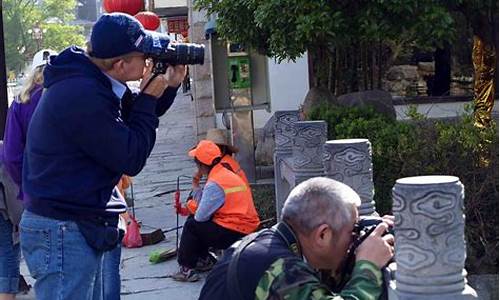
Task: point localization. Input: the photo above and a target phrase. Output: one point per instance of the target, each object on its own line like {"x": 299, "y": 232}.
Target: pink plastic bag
{"x": 132, "y": 238}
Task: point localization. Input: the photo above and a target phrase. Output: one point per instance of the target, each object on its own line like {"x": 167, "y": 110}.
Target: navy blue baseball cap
{"x": 117, "y": 34}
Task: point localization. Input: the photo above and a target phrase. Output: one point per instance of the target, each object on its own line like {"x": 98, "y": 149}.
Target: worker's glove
{"x": 181, "y": 210}
{"x": 192, "y": 206}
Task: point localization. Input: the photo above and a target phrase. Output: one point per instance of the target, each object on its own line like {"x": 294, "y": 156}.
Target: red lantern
{"x": 130, "y": 7}
{"x": 148, "y": 19}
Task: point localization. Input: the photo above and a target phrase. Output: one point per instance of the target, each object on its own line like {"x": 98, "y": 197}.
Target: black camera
{"x": 177, "y": 54}
{"x": 362, "y": 229}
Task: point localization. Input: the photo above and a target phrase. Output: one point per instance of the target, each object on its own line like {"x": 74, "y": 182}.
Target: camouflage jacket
{"x": 293, "y": 279}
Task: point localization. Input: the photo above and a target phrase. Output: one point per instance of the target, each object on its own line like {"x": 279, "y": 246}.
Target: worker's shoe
{"x": 186, "y": 274}
{"x": 205, "y": 264}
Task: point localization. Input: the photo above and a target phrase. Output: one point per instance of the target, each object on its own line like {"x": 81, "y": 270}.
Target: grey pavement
{"x": 153, "y": 192}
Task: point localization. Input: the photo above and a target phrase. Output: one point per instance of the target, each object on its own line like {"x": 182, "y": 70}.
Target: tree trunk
{"x": 442, "y": 74}
{"x": 372, "y": 67}
{"x": 379, "y": 62}
{"x": 365, "y": 66}
{"x": 331, "y": 72}
{"x": 354, "y": 84}
{"x": 310, "y": 69}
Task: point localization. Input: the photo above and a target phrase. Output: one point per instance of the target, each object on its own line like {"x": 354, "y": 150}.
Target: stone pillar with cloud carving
{"x": 307, "y": 149}
{"x": 430, "y": 246}
{"x": 350, "y": 162}
{"x": 284, "y": 133}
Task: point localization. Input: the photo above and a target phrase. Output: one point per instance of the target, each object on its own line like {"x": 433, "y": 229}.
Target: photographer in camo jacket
{"x": 314, "y": 233}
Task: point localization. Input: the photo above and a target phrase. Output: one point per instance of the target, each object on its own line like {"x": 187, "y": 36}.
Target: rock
{"x": 406, "y": 72}
{"x": 396, "y": 87}
{"x": 316, "y": 96}
{"x": 264, "y": 144}
{"x": 394, "y": 74}
{"x": 381, "y": 101}
{"x": 426, "y": 68}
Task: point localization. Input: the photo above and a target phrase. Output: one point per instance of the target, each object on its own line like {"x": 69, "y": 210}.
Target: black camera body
{"x": 176, "y": 54}
{"x": 362, "y": 229}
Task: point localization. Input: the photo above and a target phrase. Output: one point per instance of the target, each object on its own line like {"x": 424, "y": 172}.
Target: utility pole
{"x": 4, "y": 101}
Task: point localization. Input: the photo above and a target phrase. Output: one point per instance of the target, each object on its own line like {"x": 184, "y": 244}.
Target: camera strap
{"x": 288, "y": 236}
{"x": 149, "y": 81}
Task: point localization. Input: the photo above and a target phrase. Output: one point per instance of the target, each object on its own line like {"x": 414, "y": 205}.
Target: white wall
{"x": 288, "y": 85}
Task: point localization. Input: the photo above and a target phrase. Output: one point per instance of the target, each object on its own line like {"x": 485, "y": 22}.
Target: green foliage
{"x": 63, "y": 10}
{"x": 60, "y": 36}
{"x": 425, "y": 147}
{"x": 286, "y": 29}
{"x": 263, "y": 194}
{"x": 52, "y": 16}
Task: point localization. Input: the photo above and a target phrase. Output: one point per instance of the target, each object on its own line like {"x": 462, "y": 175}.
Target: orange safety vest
{"x": 229, "y": 159}
{"x": 238, "y": 212}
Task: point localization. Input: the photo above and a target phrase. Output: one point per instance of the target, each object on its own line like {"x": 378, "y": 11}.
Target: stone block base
{"x": 468, "y": 293}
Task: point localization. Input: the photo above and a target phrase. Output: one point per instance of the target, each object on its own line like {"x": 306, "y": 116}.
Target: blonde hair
{"x": 35, "y": 78}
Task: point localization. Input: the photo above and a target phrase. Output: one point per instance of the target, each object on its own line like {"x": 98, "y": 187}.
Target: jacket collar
{"x": 287, "y": 234}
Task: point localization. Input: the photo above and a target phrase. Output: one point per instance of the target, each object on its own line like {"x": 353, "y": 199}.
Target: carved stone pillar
{"x": 284, "y": 132}
{"x": 350, "y": 161}
{"x": 307, "y": 149}
{"x": 430, "y": 246}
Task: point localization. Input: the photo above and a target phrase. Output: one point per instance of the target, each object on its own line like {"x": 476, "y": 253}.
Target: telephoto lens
{"x": 184, "y": 54}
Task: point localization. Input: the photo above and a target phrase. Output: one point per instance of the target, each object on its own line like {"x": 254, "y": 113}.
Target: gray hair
{"x": 320, "y": 200}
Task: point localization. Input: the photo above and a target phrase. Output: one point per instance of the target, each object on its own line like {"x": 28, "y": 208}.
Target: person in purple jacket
{"x": 18, "y": 118}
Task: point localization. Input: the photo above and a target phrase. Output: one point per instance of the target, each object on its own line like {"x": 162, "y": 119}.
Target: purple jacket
{"x": 18, "y": 119}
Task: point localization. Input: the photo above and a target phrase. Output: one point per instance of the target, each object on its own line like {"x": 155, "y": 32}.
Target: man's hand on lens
{"x": 377, "y": 248}
{"x": 156, "y": 87}
{"x": 175, "y": 75}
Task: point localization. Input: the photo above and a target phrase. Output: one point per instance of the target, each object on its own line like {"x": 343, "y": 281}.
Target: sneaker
{"x": 185, "y": 274}
{"x": 205, "y": 264}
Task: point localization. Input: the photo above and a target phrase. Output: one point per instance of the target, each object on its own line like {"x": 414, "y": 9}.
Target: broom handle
{"x": 132, "y": 197}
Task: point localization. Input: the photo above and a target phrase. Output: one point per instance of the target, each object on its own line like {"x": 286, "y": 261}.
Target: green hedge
{"x": 428, "y": 147}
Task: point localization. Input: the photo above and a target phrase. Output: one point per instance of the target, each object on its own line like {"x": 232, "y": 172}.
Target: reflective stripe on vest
{"x": 235, "y": 189}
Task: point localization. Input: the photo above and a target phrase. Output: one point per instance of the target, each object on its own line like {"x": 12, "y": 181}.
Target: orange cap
{"x": 206, "y": 151}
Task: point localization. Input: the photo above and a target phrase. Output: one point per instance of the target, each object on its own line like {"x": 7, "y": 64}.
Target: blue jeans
{"x": 60, "y": 260}
{"x": 9, "y": 259}
{"x": 111, "y": 273}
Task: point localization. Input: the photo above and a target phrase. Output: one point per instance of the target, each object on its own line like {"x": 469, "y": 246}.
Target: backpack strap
{"x": 285, "y": 233}
{"x": 233, "y": 286}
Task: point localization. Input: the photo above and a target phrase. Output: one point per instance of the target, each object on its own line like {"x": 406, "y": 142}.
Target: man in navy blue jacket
{"x": 87, "y": 131}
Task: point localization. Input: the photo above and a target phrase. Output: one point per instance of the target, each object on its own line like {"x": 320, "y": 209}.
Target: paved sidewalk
{"x": 153, "y": 191}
